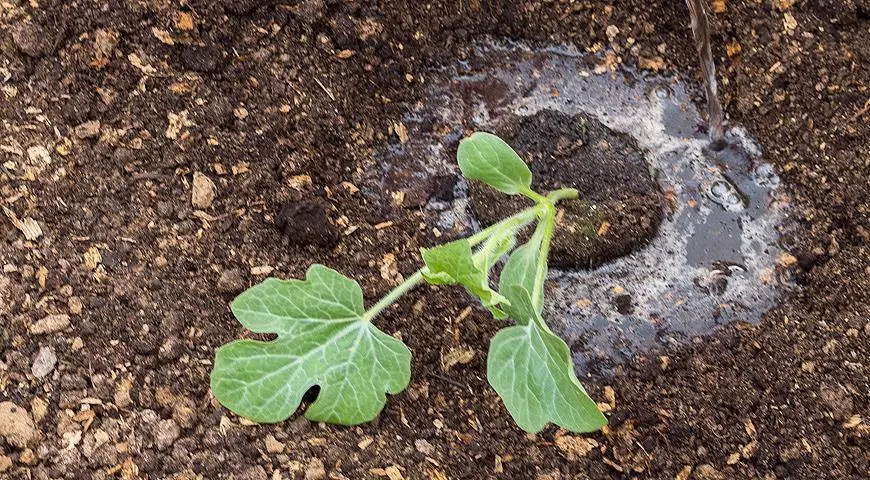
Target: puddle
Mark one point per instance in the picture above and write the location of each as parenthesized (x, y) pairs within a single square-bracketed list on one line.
[(713, 259)]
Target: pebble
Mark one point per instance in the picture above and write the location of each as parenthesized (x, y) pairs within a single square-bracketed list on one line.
[(273, 445), (166, 432), (30, 38), (315, 470), (203, 192), (424, 447), (708, 472), (38, 407), (50, 324), (89, 129), (43, 363), (171, 349), (16, 426), (202, 59), (231, 281)]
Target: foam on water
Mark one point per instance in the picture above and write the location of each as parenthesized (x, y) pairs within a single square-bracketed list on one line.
[(713, 260)]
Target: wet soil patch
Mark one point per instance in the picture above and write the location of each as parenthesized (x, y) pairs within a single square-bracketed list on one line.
[(620, 205)]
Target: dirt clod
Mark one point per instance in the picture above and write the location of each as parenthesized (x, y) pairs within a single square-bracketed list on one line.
[(307, 223), (31, 39), (16, 426), (315, 470), (165, 434), (202, 59), (232, 280), (50, 324)]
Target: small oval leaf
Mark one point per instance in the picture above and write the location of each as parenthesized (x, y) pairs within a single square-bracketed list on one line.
[(486, 158)]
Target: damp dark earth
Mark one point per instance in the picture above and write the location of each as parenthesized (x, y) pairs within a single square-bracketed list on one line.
[(669, 237), (157, 158)]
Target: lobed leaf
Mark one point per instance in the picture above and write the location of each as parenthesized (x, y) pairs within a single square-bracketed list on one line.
[(486, 158), (531, 370), (322, 340), (454, 263)]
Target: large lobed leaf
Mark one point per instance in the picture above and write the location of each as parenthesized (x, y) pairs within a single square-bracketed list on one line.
[(322, 340), (531, 370), (488, 159)]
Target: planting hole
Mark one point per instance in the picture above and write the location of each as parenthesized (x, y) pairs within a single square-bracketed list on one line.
[(669, 239)]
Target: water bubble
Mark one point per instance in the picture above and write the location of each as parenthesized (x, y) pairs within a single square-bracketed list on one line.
[(765, 176), (726, 195)]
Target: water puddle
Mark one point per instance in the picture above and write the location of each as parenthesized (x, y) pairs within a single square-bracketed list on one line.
[(714, 257)]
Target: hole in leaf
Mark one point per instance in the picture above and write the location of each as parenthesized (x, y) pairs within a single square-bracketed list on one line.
[(311, 394)]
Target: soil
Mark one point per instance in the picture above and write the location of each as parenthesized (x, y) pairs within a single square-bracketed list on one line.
[(620, 205), (108, 110)]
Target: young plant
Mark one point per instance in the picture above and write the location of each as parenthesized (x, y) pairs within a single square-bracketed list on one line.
[(325, 335)]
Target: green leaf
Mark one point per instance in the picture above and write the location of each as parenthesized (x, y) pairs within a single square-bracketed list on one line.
[(521, 268), (487, 158), (531, 370), (453, 263), (322, 340)]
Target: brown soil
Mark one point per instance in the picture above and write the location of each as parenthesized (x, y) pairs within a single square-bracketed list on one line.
[(620, 204), (284, 103)]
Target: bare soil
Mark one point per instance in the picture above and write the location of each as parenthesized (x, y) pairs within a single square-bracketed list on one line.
[(109, 108)]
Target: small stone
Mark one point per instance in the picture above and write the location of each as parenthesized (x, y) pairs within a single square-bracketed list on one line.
[(75, 305), (315, 470), (424, 447), (92, 258), (166, 432), (43, 363), (31, 39), (5, 463), (203, 193), (27, 457), (16, 426), (202, 59), (38, 155), (122, 397), (273, 445), (707, 472), (575, 447), (171, 350), (184, 413), (89, 129), (38, 408), (231, 281), (50, 324)]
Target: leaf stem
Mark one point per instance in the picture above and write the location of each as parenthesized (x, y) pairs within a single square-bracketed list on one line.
[(394, 295), (548, 222)]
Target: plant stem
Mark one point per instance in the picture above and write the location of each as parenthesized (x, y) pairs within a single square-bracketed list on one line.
[(515, 221), (549, 222), (544, 209), (394, 295), (563, 194)]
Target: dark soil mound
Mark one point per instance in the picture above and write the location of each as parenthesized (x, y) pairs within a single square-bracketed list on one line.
[(619, 206)]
